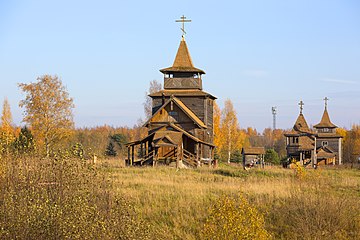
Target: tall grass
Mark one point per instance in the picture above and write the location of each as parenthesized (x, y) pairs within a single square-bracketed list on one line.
[(65, 198), (321, 204), (61, 198)]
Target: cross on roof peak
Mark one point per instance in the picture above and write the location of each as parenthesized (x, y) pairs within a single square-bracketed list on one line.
[(301, 104), (183, 20), (326, 99)]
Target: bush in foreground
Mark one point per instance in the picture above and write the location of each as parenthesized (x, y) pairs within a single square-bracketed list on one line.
[(233, 218), (62, 198)]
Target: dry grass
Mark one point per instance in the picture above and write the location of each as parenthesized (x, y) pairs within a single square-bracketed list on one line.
[(321, 203), (67, 198)]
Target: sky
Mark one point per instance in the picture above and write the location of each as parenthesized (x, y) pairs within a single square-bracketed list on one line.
[(258, 54)]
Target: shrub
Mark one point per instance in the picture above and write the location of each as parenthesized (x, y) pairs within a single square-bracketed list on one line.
[(232, 218), (62, 198), (271, 156)]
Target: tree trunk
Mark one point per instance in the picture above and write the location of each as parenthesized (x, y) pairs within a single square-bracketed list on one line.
[(47, 147)]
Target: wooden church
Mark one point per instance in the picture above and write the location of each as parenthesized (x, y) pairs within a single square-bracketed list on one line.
[(180, 129), (321, 146)]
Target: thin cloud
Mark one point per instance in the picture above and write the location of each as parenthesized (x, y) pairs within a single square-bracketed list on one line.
[(255, 73), (333, 80)]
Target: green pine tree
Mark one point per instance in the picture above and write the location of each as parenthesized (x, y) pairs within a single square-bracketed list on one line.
[(271, 156), (110, 150), (25, 142)]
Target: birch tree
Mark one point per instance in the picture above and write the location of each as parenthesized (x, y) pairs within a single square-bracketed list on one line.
[(229, 128), (48, 110), (154, 87)]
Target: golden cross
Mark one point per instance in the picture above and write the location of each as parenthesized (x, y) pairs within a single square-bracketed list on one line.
[(183, 20), (301, 104), (326, 100)]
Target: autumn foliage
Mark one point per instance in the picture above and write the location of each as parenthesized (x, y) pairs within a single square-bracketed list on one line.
[(234, 218), (48, 110)]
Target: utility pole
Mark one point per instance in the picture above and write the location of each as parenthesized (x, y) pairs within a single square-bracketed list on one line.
[(273, 109)]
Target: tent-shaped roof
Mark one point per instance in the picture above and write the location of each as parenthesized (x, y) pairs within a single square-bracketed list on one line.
[(184, 108), (325, 121), (182, 62), (301, 124)]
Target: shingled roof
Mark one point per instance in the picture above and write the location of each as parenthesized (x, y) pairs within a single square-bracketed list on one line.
[(184, 108), (253, 150), (301, 124), (325, 152), (325, 121), (182, 62)]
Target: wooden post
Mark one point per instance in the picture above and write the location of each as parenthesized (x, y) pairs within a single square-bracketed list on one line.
[(141, 150), (132, 154), (178, 157), (153, 157), (128, 147), (147, 147), (197, 154), (212, 155)]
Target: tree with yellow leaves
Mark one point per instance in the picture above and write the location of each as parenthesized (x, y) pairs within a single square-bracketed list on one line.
[(351, 145), (230, 130), (6, 128), (217, 131), (48, 110)]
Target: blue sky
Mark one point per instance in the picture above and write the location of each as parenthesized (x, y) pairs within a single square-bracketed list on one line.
[(257, 53)]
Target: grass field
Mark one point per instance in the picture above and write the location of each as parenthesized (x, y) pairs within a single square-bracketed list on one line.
[(66, 198), (296, 203)]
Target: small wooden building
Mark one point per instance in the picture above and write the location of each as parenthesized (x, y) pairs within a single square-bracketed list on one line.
[(181, 126), (252, 156)]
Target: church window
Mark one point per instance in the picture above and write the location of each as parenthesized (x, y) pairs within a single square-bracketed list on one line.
[(324, 143), (295, 140)]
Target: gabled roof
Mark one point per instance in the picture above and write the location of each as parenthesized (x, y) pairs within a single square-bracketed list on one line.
[(166, 137), (184, 108), (190, 135), (325, 121), (168, 134), (182, 62), (325, 152), (253, 150)]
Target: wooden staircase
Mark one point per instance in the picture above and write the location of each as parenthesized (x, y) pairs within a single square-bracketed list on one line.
[(189, 159)]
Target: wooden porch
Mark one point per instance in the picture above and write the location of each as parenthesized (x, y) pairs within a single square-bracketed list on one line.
[(147, 152)]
